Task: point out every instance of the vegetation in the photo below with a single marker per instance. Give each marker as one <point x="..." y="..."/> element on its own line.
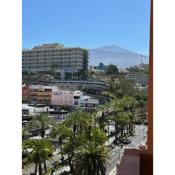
<point x="41" y="122"/>
<point x="91" y="159"/>
<point x="41" y="150"/>
<point x="111" y="70"/>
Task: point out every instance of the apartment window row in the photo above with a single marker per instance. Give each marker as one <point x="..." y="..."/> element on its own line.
<point x="47" y="67"/>
<point x="49" y="58"/>
<point x="51" y="63"/>
<point x="53" y="51"/>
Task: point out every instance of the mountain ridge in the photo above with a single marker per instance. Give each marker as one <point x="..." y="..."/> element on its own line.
<point x="114" y="54"/>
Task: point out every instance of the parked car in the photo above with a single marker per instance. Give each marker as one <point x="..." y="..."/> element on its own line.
<point x="126" y="140"/>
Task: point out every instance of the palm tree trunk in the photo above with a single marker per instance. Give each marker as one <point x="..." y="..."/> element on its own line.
<point x="40" y="169"/>
<point x="60" y="141"/>
<point x="42" y="132"/>
<point x="36" y="169"/>
<point x="74" y="129"/>
<point x="45" y="166"/>
<point x="121" y="131"/>
<point x="116" y="131"/>
<point x="128" y="128"/>
<point x="108" y="130"/>
<point x="89" y="169"/>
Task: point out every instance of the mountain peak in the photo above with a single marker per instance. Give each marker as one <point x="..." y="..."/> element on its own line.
<point x="112" y="48"/>
<point x="114" y="54"/>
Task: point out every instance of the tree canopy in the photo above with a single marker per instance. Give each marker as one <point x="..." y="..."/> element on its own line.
<point x="112" y="70"/>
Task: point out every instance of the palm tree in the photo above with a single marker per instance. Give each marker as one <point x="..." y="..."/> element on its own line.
<point x="25" y="133"/>
<point x="121" y="121"/>
<point x="60" y="132"/>
<point x="42" y="122"/>
<point x="78" y="121"/>
<point x="129" y="105"/>
<point x="103" y="116"/>
<point x="41" y="150"/>
<point x="91" y="159"/>
<point x="123" y="116"/>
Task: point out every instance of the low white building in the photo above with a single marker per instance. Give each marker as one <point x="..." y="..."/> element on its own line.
<point x="34" y="110"/>
<point x="83" y="101"/>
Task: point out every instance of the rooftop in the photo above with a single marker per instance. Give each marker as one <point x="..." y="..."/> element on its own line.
<point x="48" y="46"/>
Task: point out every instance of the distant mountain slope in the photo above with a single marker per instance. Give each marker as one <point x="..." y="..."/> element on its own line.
<point x="116" y="55"/>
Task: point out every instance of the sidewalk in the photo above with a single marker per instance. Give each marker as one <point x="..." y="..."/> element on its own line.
<point x="113" y="172"/>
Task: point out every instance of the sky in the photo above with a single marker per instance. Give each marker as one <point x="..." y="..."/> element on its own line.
<point x="87" y="23"/>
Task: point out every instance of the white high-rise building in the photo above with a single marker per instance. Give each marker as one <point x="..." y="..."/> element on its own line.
<point x="68" y="63"/>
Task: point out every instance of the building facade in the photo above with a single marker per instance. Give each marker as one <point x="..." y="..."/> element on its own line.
<point x="57" y="97"/>
<point x="74" y="99"/>
<point x="40" y="93"/>
<point x="26" y="91"/>
<point x="83" y="101"/>
<point x="33" y="110"/>
<point x="138" y="77"/>
<point x="67" y="63"/>
<point x="62" y="98"/>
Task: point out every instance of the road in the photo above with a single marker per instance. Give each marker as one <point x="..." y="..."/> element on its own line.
<point x="115" y="153"/>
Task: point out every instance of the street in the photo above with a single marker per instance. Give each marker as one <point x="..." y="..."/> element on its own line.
<point x="115" y="153"/>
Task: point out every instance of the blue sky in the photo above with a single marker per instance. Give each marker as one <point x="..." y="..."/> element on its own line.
<point x="87" y="23"/>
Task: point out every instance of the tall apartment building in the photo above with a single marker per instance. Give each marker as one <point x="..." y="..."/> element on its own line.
<point x="68" y="63"/>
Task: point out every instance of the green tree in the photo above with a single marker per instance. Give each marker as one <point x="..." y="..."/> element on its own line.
<point x="91" y="159"/>
<point x="78" y="121"/>
<point x="112" y="70"/>
<point x="129" y="105"/>
<point x="42" y="122"/>
<point x="124" y="116"/>
<point x="25" y="133"/>
<point x="41" y="150"/>
<point x="121" y="87"/>
<point x="60" y="132"/>
<point x="102" y="116"/>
